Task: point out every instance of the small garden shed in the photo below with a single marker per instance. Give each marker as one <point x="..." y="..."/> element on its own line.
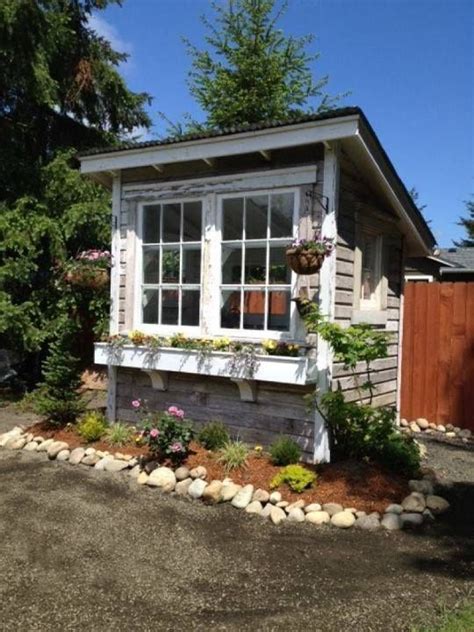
<point x="200" y="230"/>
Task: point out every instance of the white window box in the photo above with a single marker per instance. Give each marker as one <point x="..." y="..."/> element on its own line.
<point x="282" y="369"/>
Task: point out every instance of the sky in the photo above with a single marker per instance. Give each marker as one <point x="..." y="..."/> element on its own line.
<point x="409" y="64"/>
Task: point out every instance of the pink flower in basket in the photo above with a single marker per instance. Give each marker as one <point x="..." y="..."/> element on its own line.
<point x="174" y="411"/>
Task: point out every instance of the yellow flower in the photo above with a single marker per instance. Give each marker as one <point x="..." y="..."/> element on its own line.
<point x="258" y="449"/>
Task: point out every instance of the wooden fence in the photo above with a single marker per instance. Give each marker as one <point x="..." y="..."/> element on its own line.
<point x="438" y="353"/>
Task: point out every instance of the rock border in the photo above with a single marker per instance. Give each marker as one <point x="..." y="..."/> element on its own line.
<point x="420" y="506"/>
<point x="423" y="426"/>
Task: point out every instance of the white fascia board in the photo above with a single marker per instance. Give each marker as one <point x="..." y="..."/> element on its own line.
<point x="208" y="148"/>
<point x="449" y="264"/>
<point x="377" y="162"/>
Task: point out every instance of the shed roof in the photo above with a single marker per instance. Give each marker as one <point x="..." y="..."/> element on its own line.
<point x="461" y="257"/>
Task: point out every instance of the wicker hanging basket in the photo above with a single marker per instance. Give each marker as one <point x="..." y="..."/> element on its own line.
<point x="88" y="277"/>
<point x="304" y="261"/>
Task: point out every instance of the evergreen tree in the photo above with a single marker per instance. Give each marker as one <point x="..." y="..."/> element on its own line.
<point x="468" y="224"/>
<point x="250" y="71"/>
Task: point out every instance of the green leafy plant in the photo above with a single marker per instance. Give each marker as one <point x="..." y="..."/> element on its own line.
<point x="119" y="434"/>
<point x="167" y="434"/>
<point x="233" y="454"/>
<point x="285" y="451"/>
<point x="92" y="426"/>
<point x="213" y="435"/>
<point x="297" y="477"/>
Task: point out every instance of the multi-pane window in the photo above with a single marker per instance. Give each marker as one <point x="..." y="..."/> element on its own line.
<point x="371" y="270"/>
<point x="171" y="263"/>
<point x="256" y="282"/>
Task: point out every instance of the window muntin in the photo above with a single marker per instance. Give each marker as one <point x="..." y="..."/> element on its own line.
<point x="171" y="263"/>
<point x="255" y="289"/>
<point x="371" y="270"/>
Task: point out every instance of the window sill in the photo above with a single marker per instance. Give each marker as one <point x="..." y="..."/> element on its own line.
<point x="370" y="316"/>
<point x="281" y="369"/>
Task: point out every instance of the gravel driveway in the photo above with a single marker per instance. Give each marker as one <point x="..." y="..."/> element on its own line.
<point x="88" y="550"/>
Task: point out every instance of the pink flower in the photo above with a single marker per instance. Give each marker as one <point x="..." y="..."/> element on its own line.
<point x="177" y="447"/>
<point x="154" y="433"/>
<point x="136" y="403"/>
<point x="174" y="411"/>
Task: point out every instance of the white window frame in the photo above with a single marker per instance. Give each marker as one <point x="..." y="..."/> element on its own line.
<point x="377" y="302"/>
<point x="155" y="328"/>
<point x="257" y="334"/>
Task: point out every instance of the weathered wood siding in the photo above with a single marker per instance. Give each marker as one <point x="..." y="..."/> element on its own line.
<point x="278" y="410"/>
<point x="358" y="205"/>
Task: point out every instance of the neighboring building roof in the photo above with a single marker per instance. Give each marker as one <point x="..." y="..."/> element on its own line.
<point x="460" y="257"/>
<point x="346" y="125"/>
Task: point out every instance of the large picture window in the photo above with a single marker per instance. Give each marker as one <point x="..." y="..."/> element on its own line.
<point x="255" y="287"/>
<point x="171" y="263"/>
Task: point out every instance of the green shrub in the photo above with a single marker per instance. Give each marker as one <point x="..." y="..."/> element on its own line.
<point x="92" y="426"/>
<point x="233" y="454"/>
<point x="361" y="431"/>
<point x="168" y="434"/>
<point x="297" y="477"/>
<point x="285" y="451"/>
<point x="213" y="435"/>
<point x="119" y="434"/>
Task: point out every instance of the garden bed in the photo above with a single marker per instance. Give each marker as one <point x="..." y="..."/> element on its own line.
<point x="367" y="487"/>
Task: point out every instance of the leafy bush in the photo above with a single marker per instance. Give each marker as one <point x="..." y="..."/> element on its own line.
<point x="92" y="426"/>
<point x="167" y="434"/>
<point x="285" y="451"/>
<point x="119" y="434"/>
<point x="297" y="477"/>
<point x="213" y="435"/>
<point x="58" y="399"/>
<point x="233" y="454"/>
<point x="360" y="431"/>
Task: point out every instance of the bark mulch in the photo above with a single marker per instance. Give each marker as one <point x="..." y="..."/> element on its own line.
<point x="365" y="486"/>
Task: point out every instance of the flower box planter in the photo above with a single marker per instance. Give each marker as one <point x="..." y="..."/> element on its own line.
<point x="266" y="368"/>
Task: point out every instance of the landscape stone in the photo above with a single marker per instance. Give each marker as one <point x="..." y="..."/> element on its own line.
<point x="100" y="465"/>
<point x="90" y="460"/>
<point x="89" y="451"/>
<point x="312" y="507"/>
<point x="162" y="477"/>
<point x="411" y="519"/>
<point x="465" y="433"/>
<point x="394" y="509"/>
<point x="414" y="427"/>
<point x="38" y="439"/>
<point x="229" y="490"/>
<point x="15" y="443"/>
<point x="298" y="504"/>
<point x="428" y="515"/>
<point x="77" y="455"/>
<point x="391" y="522"/>
<point x="283" y="504"/>
<point x="343" y="519"/>
<point x="277" y="515"/>
<point x="56" y="447"/>
<point x="29" y="437"/>
<point x="441" y="428"/>
<point x="142" y="478"/>
<point x="242" y="497"/>
<point x="275" y="497"/>
<point x="450" y="433"/>
<point x="45" y="445"/>
<point x="423" y="487"/>
<point x="212" y="493"/>
<point x="414" y="503"/>
<point x="422" y="423"/>
<point x="182" y="487"/>
<point x="115" y="465"/>
<point x="332" y="508"/>
<point x="198" y="472"/>
<point x="404" y="423"/>
<point x="135" y="471"/>
<point x="63" y="455"/>
<point x="261" y="495"/>
<point x="265" y="513"/>
<point x="368" y="523"/>
<point x="32" y="446"/>
<point x="182" y="473"/>
<point x="13" y="433"/>
<point x="151" y="465"/>
<point x="318" y="517"/>
<point x="449" y="428"/>
<point x="359" y="514"/>
<point x="255" y="507"/>
<point x="197" y="487"/>
<point x="437" y="504"/>
<point x="296" y="515"/>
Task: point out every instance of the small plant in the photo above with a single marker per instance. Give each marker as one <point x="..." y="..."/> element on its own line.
<point x="213" y="435"/>
<point x="280" y="348"/>
<point x="119" y="434"/>
<point x="92" y="426"/>
<point x="167" y="434"/>
<point x="285" y="451"/>
<point x="297" y="477"/>
<point x="319" y="245"/>
<point x="233" y="455"/>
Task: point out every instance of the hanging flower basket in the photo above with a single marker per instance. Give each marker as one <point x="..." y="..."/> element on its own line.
<point x="88" y="277"/>
<point x="303" y="261"/>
